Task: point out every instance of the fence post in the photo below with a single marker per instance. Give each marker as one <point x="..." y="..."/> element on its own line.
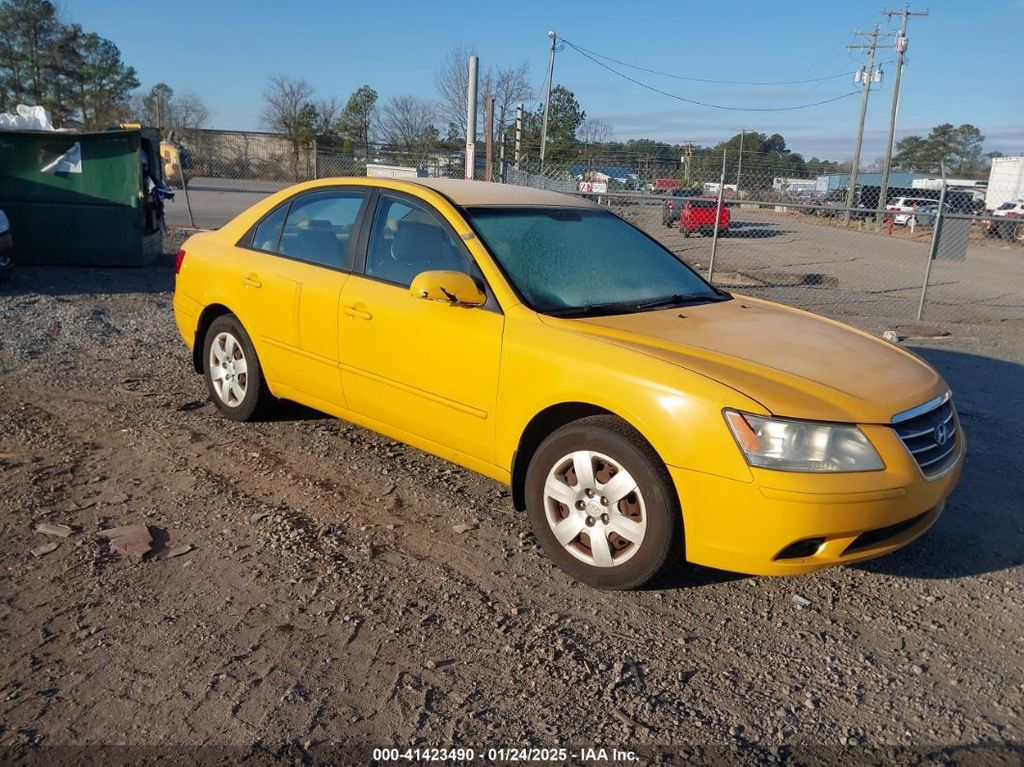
<point x="316" y="158"/>
<point x="718" y="217"/>
<point x="933" y="248"/>
<point x="184" y="189"/>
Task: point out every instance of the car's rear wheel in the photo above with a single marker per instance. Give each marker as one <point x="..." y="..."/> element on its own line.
<point x="602" y="505"/>
<point x="233" y="374"/>
<point x="685" y="230"/>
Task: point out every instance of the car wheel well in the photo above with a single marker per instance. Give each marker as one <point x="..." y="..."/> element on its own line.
<point x="210" y="313"/>
<point x="539" y="427"/>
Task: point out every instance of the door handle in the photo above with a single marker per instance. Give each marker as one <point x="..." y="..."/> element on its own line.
<point x="252" y="281"/>
<point x="358" y="311"/>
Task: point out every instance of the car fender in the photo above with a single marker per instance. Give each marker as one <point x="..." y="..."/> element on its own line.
<point x="677" y="411"/>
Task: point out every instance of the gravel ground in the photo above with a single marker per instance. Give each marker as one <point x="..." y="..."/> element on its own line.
<point x="328" y="599"/>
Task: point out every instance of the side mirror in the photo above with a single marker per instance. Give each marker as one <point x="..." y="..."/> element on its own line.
<point x="448" y="286"/>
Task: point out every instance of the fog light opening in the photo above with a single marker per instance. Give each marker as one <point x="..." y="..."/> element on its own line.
<point x="808" y="547"/>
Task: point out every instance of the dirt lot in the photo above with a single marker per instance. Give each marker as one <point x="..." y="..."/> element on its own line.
<point x="329" y="600"/>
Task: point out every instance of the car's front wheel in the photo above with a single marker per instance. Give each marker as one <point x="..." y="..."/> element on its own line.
<point x="233" y="374"/>
<point x="602" y="505"/>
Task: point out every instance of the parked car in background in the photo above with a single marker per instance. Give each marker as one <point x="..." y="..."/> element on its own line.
<point x="1012" y="209"/>
<point x="698" y="215"/>
<point x="541" y="340"/>
<point x="6" y="246"/>
<point x="904" y="208"/>
<point x="827" y="204"/>
<point x="1003" y="221"/>
<point x="670" y="210"/>
<point x="925" y="215"/>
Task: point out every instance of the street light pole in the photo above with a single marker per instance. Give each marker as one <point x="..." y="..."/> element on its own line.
<point x="547" y="99"/>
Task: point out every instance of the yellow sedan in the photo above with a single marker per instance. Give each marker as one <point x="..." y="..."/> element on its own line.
<point x="639" y="414"/>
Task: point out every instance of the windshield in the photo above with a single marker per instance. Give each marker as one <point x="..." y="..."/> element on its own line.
<point x="572" y="261"/>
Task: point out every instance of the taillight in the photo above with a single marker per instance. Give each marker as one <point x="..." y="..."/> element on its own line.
<point x="178" y="259"/>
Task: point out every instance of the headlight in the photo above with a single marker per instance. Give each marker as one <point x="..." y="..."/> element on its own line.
<point x="775" y="443"/>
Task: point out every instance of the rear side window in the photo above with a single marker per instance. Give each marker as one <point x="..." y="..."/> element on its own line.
<point x="268" y="233"/>
<point x="319" y="227"/>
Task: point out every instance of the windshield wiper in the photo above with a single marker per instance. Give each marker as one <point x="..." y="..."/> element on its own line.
<point x="611" y="307"/>
<point x="677" y="299"/>
<point x="628" y="307"/>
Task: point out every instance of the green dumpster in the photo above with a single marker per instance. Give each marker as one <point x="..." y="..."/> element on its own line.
<point x="81" y="198"/>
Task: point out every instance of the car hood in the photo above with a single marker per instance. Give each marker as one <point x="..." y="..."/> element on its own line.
<point x="794" y="363"/>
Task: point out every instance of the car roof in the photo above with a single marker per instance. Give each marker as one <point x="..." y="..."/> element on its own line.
<point x="482" y="193"/>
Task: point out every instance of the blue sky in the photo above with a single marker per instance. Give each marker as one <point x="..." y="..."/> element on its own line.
<point x="963" y="63"/>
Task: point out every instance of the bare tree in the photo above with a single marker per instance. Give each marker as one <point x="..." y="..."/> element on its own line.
<point x="284" y="101"/>
<point x="287" y="109"/>
<point x="327" y="113"/>
<point x="452" y="81"/>
<point x="408" y="123"/>
<point x="161" y="107"/>
<point x="594" y="130"/>
<point x="190" y="112"/>
<point x="509" y="86"/>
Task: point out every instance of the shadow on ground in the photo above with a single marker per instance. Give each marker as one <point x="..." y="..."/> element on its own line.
<point x="48" y="280"/>
<point x="754" y="230"/>
<point x="982" y="528"/>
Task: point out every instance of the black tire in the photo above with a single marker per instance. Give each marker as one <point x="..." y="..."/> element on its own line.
<point x="257" y="399"/>
<point x="662" y="542"/>
<point x="685" y="230"/>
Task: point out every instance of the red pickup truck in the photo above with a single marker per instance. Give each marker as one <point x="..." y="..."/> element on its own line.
<point x="698" y="215"/>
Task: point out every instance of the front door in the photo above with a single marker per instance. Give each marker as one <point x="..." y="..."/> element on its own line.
<point x="420" y="366"/>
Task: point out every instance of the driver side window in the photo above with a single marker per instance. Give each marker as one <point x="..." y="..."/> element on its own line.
<point x="407" y="239"/>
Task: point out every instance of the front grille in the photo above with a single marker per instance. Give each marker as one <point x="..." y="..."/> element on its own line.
<point x="930" y="434"/>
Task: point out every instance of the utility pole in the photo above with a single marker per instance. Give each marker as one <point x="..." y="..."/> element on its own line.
<point x="739" y="168"/>
<point x="489" y="129"/>
<point x="901" y="54"/>
<point x="519" y="135"/>
<point x="474" y="64"/>
<point x="866" y="75"/>
<point x="547" y="99"/>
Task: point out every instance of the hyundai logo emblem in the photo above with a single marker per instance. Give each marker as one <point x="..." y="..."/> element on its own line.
<point x="942" y="434"/>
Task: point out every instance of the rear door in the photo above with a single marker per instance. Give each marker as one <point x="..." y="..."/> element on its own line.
<point x="305" y="256"/>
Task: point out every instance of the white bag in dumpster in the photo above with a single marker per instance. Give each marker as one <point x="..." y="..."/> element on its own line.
<point x="69" y="162"/>
<point x="26" y="118"/>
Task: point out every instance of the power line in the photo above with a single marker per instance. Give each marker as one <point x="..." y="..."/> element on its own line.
<point x="705" y="103"/>
<point x="707" y="79"/>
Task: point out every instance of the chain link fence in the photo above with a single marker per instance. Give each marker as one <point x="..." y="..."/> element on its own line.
<point x="751" y="223"/>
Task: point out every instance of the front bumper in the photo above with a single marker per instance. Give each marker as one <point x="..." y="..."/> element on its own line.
<point x="751" y="527"/>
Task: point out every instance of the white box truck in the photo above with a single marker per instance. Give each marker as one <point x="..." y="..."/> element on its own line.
<point x="1005" y="181"/>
